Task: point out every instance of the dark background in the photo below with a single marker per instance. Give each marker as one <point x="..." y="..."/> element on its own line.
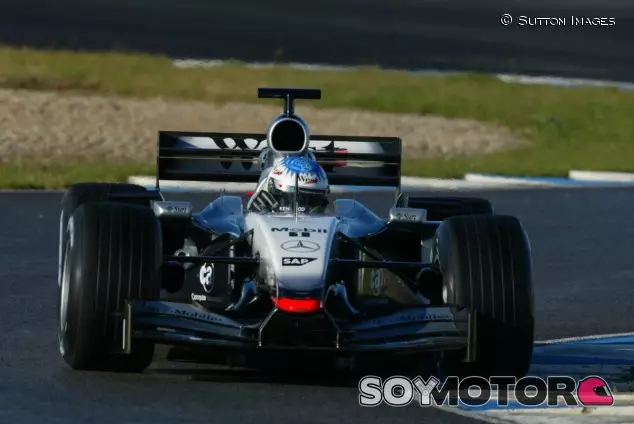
<point x="409" y="34"/>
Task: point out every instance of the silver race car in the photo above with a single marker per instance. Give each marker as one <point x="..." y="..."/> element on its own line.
<point x="285" y="271"/>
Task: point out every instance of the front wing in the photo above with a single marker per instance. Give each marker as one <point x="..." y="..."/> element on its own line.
<point x="413" y="329"/>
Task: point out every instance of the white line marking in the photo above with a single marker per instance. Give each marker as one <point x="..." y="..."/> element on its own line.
<point x="600" y="176"/>
<point x="580" y="338"/>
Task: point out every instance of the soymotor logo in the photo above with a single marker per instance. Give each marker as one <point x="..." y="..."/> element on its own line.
<point x="477" y="391"/>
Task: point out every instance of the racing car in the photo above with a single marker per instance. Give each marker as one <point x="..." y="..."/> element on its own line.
<point x="445" y="276"/>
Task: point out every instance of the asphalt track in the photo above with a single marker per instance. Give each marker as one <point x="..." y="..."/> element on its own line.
<point x="582" y="246"/>
<point x="410" y="34"/>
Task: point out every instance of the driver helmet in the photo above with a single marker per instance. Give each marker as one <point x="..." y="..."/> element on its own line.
<point x="309" y="178"/>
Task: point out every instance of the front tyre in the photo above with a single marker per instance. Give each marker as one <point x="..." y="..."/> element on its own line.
<point x="112" y="255"/>
<point x="80" y="193"/>
<point x="485" y="261"/>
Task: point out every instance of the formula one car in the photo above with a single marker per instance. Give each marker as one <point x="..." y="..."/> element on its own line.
<point x="441" y="275"/>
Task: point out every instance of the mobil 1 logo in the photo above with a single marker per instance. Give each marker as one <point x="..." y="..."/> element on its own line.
<point x="296" y="261"/>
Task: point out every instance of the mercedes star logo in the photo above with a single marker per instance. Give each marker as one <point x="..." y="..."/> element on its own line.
<point x="300" y="246"/>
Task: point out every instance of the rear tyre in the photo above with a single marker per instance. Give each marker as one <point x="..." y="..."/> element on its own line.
<point x="112" y="254"/>
<point x="81" y="193"/>
<point x="485" y="261"/>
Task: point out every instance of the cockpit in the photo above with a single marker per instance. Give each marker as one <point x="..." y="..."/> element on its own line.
<point x="277" y="201"/>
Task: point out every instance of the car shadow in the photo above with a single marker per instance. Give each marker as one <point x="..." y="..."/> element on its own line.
<point x="255" y="376"/>
<point x="286" y="370"/>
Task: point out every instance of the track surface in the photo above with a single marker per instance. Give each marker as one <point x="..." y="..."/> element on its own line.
<point x="582" y="246"/>
<point x="410" y="34"/>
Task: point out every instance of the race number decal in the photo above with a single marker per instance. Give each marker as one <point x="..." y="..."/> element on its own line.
<point x="295" y="234"/>
<point x="206" y="275"/>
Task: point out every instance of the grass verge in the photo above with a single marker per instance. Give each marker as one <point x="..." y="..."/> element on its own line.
<point x="35" y="173"/>
<point x="589" y="128"/>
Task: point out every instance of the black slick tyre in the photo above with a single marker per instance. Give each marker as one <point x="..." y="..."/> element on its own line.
<point x="486" y="264"/>
<point x="80" y="193"/>
<point x="112" y="255"/>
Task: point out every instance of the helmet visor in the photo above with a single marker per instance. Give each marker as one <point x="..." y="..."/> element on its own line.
<point x="308" y="201"/>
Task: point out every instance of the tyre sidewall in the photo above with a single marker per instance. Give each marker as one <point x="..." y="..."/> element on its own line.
<point x="81" y="298"/>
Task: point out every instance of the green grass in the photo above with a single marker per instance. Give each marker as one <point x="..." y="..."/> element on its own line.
<point x="590" y="128"/>
<point x="35" y="173"/>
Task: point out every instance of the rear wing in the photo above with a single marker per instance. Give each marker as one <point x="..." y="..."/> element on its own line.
<point x="233" y="157"/>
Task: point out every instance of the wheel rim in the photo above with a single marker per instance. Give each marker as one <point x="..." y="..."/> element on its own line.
<point x="63" y="301"/>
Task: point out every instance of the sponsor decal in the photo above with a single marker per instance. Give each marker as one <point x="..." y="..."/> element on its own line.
<point x="308" y="178"/>
<point x="300" y="246"/>
<point x="199" y="297"/>
<point x="288" y="209"/>
<point x="299" y="230"/>
<point x="421" y="315"/>
<point x="177" y="209"/>
<point x="172" y="208"/>
<point x="552" y="391"/>
<point x="182" y="310"/>
<point x="237" y="143"/>
<point x="207" y="277"/>
<point x="225" y="143"/>
<point x="406" y="217"/>
<point x="296" y="261"/>
<point x="408" y="214"/>
<point x="376" y="282"/>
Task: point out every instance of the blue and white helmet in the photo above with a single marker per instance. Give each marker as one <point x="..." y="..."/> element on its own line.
<point x="305" y="174"/>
